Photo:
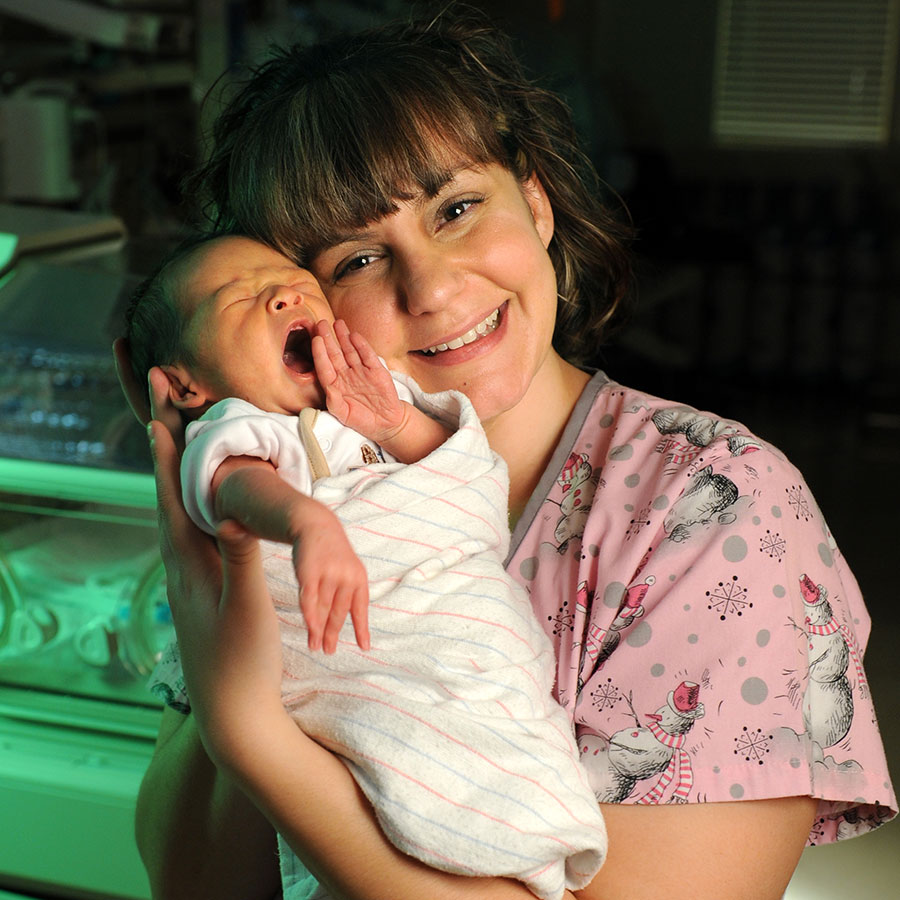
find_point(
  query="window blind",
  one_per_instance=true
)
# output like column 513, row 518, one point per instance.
column 805, row 71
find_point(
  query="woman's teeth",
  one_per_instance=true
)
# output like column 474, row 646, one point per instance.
column 473, row 334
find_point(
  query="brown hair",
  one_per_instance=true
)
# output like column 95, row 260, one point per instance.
column 325, row 138
column 154, row 327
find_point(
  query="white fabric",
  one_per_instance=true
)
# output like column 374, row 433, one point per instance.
column 235, row 427
column 447, row 723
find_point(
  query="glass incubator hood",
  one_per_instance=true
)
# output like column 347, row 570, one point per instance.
column 83, row 612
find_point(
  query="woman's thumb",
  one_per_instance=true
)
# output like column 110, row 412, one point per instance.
column 237, row 546
column 241, row 562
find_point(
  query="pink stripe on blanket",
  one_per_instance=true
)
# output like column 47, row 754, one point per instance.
column 351, row 753
column 475, row 752
column 453, row 615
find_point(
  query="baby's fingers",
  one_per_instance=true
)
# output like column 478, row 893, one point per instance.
column 309, row 606
column 359, row 613
column 323, row 356
column 365, row 350
column 347, row 344
column 343, row 598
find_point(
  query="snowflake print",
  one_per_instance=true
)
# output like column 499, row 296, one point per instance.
column 752, row 745
column 772, row 544
column 606, row 696
column 817, row 832
column 563, row 620
column 636, row 524
column 729, row 598
column 798, row 502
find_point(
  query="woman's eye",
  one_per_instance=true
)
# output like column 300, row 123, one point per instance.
column 455, row 209
column 355, row 264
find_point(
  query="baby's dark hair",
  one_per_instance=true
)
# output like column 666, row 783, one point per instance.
column 323, row 139
column 154, row 327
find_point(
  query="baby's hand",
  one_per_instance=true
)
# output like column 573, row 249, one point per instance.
column 359, row 391
column 332, row 582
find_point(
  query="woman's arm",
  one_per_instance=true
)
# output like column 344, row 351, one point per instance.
column 313, row 800
column 197, row 832
column 702, row 851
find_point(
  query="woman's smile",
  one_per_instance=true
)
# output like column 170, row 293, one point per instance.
column 475, row 335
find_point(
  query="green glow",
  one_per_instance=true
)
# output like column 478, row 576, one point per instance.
column 8, row 244
column 78, row 483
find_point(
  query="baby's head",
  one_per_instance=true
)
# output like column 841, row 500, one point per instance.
column 227, row 316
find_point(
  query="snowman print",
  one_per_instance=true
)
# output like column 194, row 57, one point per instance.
column 601, row 642
column 578, row 483
column 616, row 765
column 828, row 701
column 708, row 499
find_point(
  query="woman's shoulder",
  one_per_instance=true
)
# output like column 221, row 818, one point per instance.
column 665, row 440
column 635, row 462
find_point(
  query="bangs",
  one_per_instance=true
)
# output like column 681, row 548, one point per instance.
column 353, row 144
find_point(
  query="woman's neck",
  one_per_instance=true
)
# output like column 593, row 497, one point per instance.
column 527, row 434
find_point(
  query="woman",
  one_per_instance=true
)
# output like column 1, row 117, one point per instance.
column 442, row 203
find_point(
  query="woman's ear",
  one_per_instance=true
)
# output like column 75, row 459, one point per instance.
column 539, row 204
column 185, row 392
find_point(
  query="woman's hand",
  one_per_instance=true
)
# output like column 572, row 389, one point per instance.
column 223, row 615
column 134, row 392
column 197, row 831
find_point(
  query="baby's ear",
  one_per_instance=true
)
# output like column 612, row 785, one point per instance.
column 185, row 393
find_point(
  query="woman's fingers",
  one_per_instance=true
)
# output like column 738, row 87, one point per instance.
column 133, row 391
column 166, row 464
column 244, row 578
column 190, row 557
column 161, row 407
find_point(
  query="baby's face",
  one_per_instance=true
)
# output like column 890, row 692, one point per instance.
column 250, row 312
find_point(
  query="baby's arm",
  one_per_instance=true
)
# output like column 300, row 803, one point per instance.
column 360, row 393
column 332, row 580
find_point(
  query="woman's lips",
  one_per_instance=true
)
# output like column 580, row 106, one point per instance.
column 473, row 342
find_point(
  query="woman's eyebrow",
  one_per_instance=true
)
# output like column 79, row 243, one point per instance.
column 348, row 237
column 419, row 198
column 443, row 179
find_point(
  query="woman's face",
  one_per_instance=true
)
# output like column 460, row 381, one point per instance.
column 455, row 290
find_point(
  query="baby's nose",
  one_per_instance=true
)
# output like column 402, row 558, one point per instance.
column 282, row 296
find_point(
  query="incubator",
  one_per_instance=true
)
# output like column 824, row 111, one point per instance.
column 83, row 611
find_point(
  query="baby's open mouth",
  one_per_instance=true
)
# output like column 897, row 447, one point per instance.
column 297, row 355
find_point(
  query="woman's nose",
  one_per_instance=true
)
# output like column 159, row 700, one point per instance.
column 281, row 297
column 431, row 280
